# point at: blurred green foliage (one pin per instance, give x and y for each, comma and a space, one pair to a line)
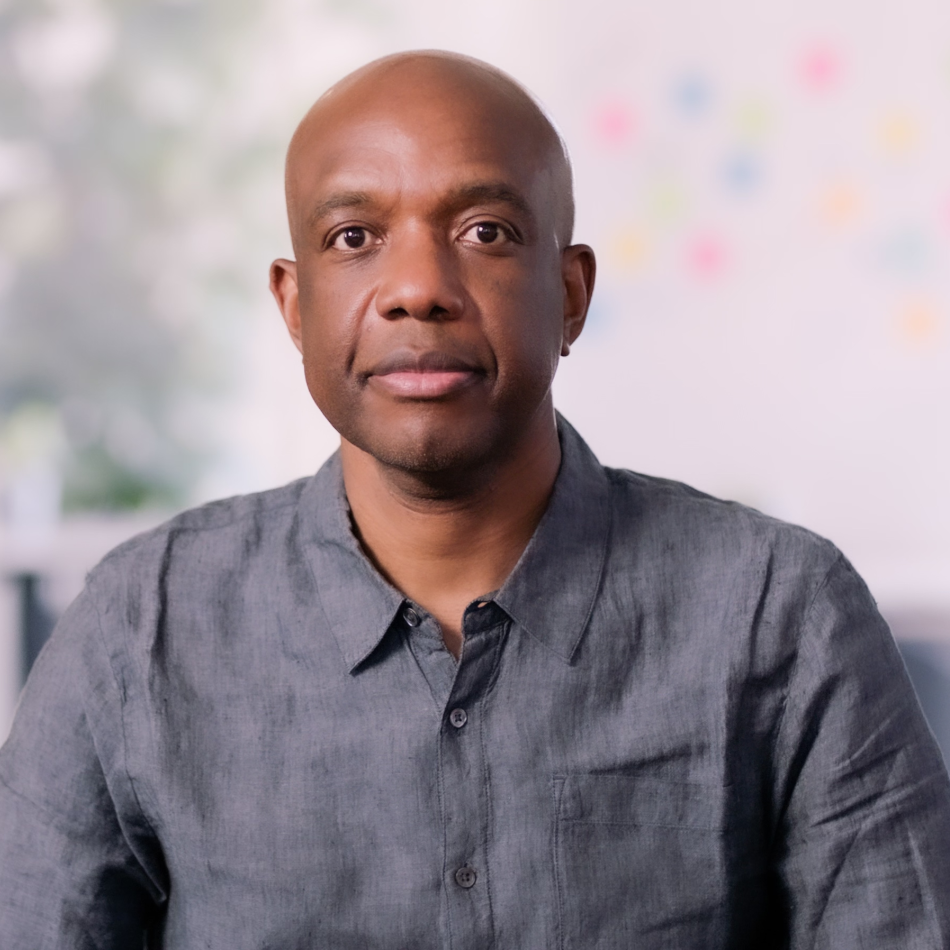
121, 281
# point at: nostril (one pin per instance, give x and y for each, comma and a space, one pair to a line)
434, 313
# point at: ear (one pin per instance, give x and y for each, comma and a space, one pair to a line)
578, 269
283, 285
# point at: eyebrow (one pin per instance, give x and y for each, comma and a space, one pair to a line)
491, 191
346, 199
480, 191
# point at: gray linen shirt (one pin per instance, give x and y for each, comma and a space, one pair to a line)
678, 724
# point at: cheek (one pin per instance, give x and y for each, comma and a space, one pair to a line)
523, 318
332, 311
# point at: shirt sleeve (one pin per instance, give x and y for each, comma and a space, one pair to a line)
79, 865
863, 849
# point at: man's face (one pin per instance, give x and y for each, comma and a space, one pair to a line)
430, 292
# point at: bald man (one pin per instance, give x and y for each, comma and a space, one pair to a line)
465, 687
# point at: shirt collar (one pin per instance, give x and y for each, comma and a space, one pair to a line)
550, 593
552, 590
358, 602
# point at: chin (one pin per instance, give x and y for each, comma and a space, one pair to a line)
441, 443
429, 453
429, 446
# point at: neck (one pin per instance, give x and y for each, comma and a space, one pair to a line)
447, 547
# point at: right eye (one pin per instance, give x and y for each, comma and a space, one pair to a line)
350, 238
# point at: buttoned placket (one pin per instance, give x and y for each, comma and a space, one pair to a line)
460, 692
465, 781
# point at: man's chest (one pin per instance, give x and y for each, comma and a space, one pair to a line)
585, 804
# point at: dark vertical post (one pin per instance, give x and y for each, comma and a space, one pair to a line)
928, 664
36, 621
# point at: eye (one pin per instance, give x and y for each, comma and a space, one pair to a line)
487, 232
351, 238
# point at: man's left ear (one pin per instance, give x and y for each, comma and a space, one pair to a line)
283, 285
578, 269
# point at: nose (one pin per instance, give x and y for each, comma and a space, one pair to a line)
420, 279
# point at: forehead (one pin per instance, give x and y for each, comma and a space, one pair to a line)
419, 146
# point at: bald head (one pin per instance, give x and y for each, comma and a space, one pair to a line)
435, 287
408, 86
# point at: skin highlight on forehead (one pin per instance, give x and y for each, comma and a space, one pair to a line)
396, 85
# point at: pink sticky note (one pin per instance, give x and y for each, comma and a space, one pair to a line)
614, 123
820, 67
706, 255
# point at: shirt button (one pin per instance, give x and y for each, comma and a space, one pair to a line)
458, 718
465, 877
411, 616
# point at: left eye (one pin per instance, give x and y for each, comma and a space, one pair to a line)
352, 238
487, 232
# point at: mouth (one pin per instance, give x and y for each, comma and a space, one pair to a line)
408, 374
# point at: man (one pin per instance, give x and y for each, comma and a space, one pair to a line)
465, 687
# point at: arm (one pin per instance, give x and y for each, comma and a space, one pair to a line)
863, 847
79, 865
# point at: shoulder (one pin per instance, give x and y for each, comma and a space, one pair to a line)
734, 589
216, 534
694, 533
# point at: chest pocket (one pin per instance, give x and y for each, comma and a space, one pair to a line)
640, 862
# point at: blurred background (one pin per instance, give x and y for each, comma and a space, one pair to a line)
767, 185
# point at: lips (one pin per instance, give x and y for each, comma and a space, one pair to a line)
431, 374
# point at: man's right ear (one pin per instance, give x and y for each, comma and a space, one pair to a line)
578, 269
283, 285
